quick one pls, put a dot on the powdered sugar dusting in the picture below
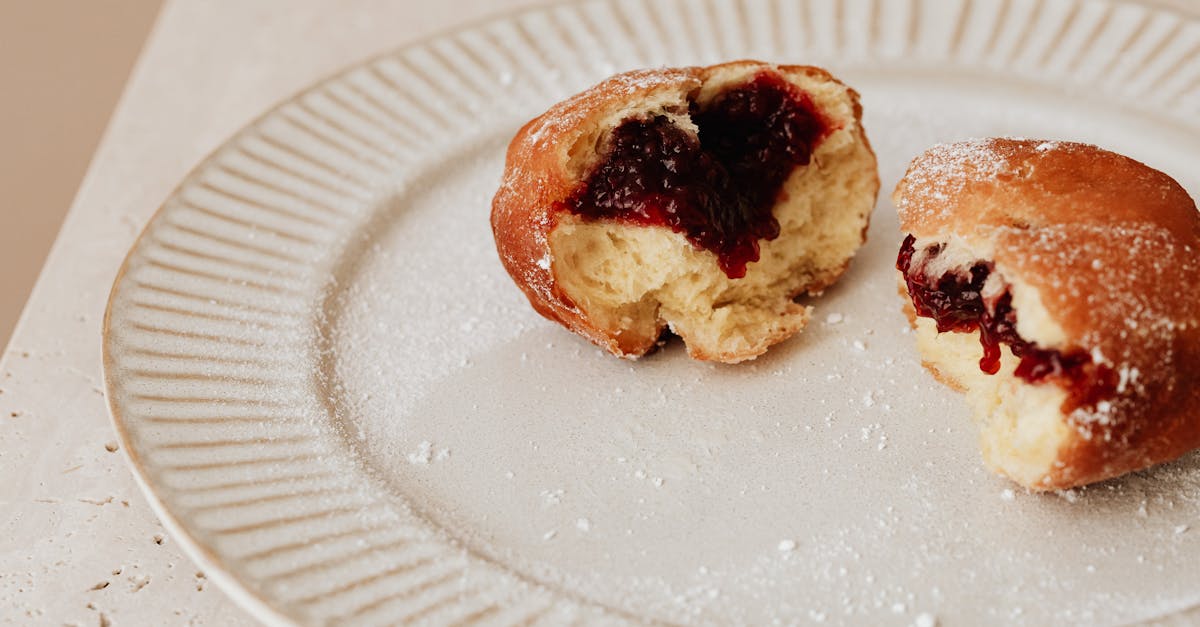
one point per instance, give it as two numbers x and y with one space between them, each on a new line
1131 315
562 121
947 175
423 455
691 493
942 173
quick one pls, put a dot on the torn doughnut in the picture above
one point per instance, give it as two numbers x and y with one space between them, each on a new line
699 200
1056 284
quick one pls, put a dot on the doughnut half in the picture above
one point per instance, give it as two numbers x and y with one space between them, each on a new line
703 200
1058 284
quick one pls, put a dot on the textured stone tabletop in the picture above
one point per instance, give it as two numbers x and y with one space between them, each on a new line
80 544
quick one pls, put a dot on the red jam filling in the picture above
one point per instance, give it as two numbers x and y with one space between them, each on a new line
717 189
955 302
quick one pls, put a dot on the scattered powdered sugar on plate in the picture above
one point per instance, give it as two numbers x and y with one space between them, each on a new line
939 174
422 455
832 480
425 453
552 497
925 619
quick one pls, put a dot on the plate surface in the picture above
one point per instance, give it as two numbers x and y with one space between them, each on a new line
340 404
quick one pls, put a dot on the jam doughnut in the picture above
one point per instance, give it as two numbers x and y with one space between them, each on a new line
699 200
1056 284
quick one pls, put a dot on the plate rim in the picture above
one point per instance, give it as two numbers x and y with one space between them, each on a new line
211 564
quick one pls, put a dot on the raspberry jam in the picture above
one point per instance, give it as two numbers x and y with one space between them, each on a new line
955 302
717 189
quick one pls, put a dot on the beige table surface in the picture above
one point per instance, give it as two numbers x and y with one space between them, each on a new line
78 542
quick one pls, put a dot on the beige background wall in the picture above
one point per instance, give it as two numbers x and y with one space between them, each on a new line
63 64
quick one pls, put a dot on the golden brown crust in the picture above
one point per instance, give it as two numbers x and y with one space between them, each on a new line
538 174
1112 248
536 177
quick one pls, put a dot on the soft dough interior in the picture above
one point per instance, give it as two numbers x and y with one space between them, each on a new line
1021 424
634 280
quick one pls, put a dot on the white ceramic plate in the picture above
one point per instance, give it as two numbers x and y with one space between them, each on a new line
340 404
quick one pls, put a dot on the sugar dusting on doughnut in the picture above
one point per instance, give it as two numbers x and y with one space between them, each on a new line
622 220
1104 253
